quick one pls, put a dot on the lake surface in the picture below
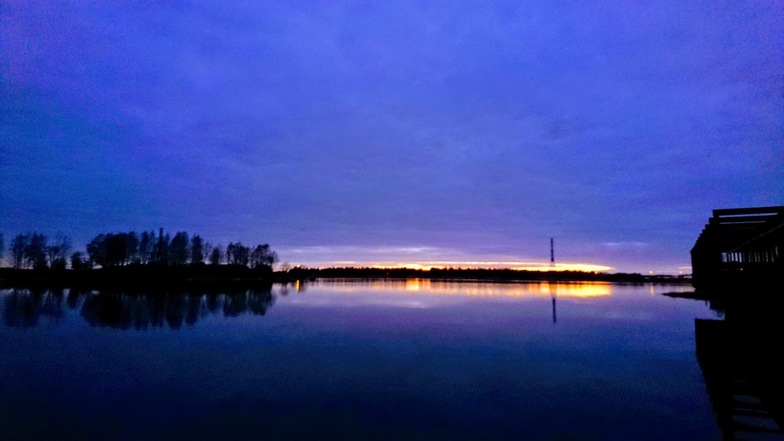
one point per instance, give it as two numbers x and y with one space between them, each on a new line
385 359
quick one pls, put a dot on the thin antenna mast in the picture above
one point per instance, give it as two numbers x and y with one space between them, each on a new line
552 253
552 265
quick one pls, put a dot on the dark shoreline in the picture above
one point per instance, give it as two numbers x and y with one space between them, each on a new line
485 275
209 277
199 277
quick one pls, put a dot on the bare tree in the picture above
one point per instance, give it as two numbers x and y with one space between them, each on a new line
58 251
36 251
19 249
162 248
146 247
131 247
207 251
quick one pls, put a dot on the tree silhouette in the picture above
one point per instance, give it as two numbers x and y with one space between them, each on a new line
207 251
18 249
197 249
178 249
237 254
36 251
116 249
33 250
58 250
131 247
262 256
96 249
162 248
216 256
77 261
146 247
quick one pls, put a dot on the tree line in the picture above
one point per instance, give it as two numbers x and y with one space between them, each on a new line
34 250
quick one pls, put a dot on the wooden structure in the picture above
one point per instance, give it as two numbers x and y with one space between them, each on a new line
738 247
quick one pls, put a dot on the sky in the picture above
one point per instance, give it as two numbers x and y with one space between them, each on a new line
447 133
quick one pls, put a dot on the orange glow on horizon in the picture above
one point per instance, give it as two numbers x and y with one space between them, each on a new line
473 289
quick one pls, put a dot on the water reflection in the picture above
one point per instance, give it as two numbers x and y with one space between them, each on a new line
26 307
743 371
173 309
124 310
471 288
345 358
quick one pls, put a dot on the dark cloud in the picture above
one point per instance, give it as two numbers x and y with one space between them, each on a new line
475 130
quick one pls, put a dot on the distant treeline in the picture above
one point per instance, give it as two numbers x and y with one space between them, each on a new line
480 274
34 250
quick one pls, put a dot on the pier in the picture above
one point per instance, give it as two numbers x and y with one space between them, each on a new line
738 247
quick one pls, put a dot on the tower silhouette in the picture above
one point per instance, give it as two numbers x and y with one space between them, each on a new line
552 265
552 253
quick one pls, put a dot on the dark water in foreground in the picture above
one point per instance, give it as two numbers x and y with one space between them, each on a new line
356 360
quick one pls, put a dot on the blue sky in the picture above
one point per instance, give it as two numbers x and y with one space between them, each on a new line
387 132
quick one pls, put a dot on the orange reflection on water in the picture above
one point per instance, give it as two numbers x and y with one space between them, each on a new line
584 289
417 284
474 289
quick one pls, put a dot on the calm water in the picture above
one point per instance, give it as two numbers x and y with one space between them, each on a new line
356 360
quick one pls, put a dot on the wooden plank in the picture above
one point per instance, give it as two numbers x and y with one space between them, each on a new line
779 210
760 219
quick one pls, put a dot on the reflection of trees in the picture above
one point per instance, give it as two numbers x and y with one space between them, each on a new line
75 297
142 311
126 310
24 308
